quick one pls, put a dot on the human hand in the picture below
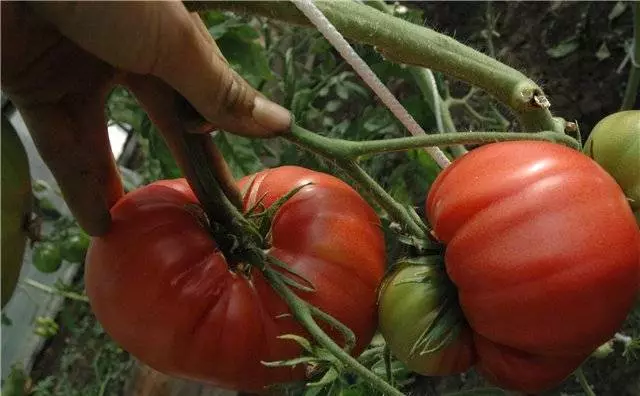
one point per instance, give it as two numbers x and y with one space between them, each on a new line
60 60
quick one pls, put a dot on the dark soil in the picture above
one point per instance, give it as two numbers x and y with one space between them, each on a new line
579 85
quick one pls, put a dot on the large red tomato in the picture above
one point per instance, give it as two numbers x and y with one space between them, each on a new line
162 290
544 251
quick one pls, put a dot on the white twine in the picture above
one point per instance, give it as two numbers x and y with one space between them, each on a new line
336 39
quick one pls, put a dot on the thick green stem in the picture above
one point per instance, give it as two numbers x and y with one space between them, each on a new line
633 83
395 210
404 42
229 227
345 149
302 313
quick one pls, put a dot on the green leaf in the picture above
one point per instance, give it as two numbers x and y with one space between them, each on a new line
563 49
220 24
420 111
239 154
213 17
303 342
301 100
291 362
330 376
248 58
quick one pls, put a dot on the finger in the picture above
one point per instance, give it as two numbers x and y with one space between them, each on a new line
163 39
73 141
215 90
161 104
205 35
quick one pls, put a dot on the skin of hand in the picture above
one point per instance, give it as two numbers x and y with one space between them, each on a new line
61 59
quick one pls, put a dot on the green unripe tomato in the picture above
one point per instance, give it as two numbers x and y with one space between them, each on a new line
47 257
409 301
614 143
15 208
75 246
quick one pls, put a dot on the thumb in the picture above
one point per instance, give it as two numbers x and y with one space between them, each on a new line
165 40
196 68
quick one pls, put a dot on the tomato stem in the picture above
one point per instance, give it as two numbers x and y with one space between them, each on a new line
54 291
349 337
194 123
579 373
303 313
427 85
209 177
404 42
343 149
230 228
339 152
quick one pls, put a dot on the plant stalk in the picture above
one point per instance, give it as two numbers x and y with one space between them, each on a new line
427 84
345 149
404 42
54 291
340 152
397 212
302 313
579 373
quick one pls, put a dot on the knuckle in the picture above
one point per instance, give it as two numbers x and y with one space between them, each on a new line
239 96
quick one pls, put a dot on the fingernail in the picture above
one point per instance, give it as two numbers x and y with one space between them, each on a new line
271 116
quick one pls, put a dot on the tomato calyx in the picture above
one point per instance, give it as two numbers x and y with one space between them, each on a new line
318 361
262 218
290 281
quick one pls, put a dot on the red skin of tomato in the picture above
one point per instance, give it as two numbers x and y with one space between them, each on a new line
457 357
544 250
162 290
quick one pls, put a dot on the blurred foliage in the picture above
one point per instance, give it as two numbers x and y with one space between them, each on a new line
88 362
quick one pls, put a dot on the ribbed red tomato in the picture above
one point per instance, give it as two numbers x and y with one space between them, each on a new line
162 290
544 251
